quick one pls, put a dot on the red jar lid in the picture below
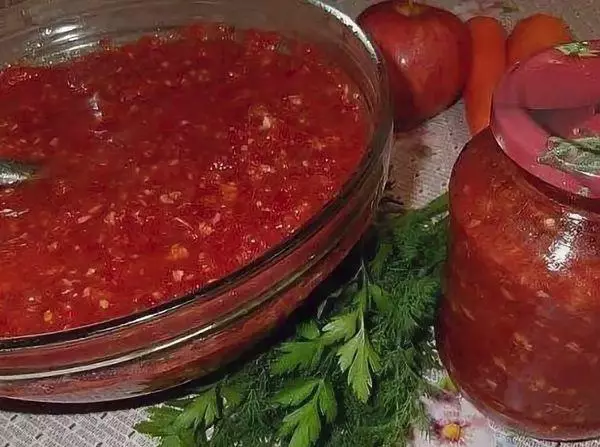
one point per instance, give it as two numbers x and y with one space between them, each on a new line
546 117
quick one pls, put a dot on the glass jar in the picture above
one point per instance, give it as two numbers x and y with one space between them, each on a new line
519 324
193 335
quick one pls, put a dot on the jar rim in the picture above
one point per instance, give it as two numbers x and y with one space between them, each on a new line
544 117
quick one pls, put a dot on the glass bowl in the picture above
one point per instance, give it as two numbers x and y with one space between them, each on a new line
191 336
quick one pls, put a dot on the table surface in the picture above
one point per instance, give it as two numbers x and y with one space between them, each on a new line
421 164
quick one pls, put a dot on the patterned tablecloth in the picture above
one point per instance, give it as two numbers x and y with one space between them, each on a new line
421 165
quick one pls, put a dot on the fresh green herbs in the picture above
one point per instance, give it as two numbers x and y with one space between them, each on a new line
352 375
579 155
577 49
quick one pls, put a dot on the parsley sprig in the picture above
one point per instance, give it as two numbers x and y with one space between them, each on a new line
352 375
578 155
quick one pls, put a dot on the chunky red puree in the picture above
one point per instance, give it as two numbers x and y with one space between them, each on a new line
166 164
519 327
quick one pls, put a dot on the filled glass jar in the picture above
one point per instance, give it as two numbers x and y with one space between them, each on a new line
519 324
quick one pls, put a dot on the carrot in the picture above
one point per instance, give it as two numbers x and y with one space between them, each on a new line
534 34
488 64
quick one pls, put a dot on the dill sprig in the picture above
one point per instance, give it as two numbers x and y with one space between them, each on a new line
353 372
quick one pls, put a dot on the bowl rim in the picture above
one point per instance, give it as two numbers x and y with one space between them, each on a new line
383 126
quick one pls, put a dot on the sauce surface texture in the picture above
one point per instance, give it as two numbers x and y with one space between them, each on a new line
166 164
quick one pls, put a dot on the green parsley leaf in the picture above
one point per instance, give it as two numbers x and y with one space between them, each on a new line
347 352
308 330
154 428
362 297
300 355
341 328
163 414
201 413
384 250
160 421
313 398
180 403
380 297
176 441
327 402
359 359
296 393
304 426
232 395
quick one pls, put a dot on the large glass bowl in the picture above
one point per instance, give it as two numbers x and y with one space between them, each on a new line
193 335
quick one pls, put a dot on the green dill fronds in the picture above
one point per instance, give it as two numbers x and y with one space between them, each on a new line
353 373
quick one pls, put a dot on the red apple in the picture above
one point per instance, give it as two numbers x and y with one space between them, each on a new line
427 51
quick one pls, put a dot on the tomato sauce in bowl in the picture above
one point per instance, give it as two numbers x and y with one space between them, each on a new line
166 164
192 189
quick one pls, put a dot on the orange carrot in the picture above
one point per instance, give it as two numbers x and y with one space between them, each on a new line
488 64
534 34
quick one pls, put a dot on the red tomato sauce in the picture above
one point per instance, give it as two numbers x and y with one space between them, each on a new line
166 164
519 328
